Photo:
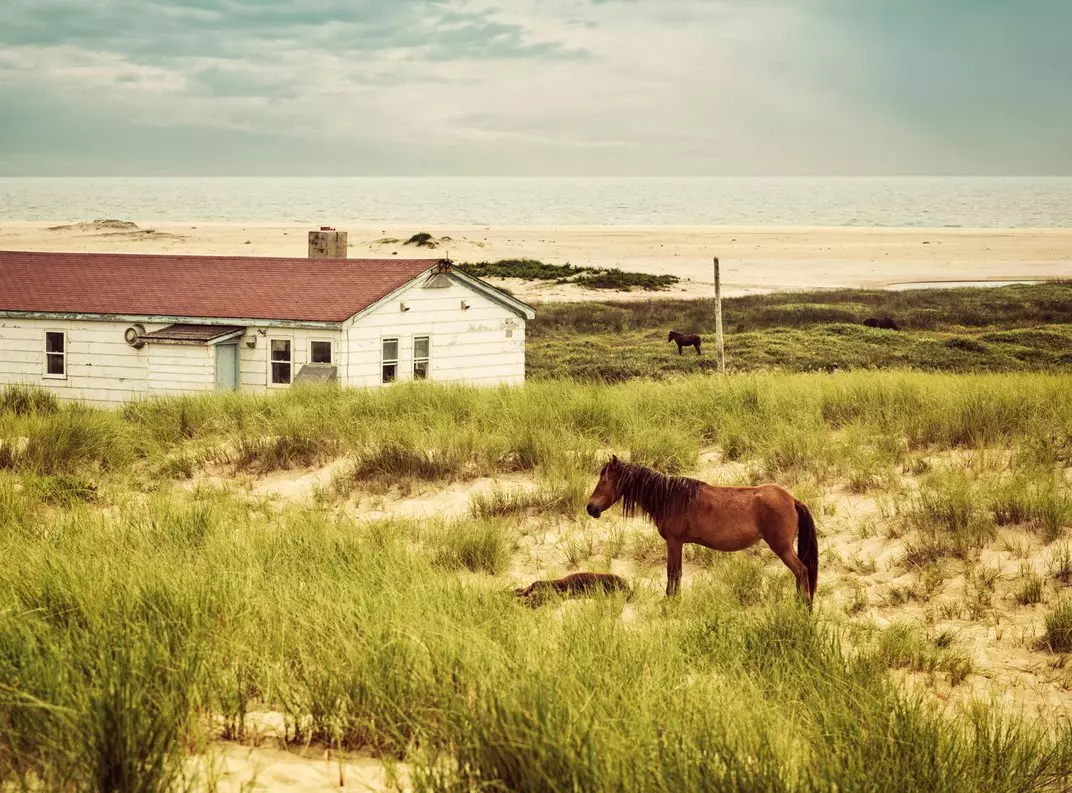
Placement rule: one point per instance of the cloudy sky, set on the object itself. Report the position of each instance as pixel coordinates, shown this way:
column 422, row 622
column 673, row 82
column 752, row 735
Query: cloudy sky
column 534, row 87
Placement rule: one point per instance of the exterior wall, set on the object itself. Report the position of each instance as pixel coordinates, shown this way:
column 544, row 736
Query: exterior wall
column 103, row 369
column 253, row 365
column 101, row 366
column 179, row 369
column 467, row 346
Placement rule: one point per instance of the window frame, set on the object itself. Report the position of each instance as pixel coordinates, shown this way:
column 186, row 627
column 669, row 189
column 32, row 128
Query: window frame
column 331, row 351
column 426, row 360
column 44, row 362
column 290, row 360
column 388, row 361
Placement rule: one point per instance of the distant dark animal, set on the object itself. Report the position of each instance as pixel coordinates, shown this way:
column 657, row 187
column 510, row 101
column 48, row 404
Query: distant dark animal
column 881, row 322
column 685, row 340
column 573, row 585
column 721, row 518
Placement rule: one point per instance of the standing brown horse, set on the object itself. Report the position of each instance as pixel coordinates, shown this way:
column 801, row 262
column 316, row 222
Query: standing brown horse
column 685, row 340
column 722, row 518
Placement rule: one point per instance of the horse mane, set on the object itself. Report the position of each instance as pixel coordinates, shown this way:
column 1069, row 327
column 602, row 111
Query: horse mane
column 656, row 494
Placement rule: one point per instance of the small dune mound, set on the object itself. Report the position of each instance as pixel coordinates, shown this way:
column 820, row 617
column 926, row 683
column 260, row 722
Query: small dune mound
column 122, row 225
column 98, row 225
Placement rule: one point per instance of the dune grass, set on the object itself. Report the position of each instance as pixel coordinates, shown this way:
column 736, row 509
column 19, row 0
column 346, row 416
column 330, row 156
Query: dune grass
column 611, row 278
column 1015, row 328
column 793, row 427
column 121, row 646
column 135, row 626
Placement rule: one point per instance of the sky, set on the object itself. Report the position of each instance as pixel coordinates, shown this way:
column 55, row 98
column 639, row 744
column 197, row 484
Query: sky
column 535, row 87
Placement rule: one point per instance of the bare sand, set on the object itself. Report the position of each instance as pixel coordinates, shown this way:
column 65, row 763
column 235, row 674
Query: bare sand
column 753, row 259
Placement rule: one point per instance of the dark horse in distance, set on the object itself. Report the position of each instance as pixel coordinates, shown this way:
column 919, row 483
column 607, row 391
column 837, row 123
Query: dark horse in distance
column 884, row 323
column 685, row 340
column 721, row 518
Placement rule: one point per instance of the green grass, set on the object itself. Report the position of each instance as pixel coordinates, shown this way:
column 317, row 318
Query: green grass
column 422, row 239
column 589, row 277
column 1040, row 501
column 566, row 499
column 474, row 545
column 902, row 646
column 1028, row 588
column 24, row 400
column 1015, row 328
column 117, row 643
column 1058, row 635
column 793, row 427
column 136, row 625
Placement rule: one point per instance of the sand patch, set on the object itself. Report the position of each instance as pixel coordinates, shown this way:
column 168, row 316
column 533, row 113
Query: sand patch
column 237, row 768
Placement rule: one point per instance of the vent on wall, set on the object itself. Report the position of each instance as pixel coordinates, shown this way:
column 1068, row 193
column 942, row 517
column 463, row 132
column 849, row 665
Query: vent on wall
column 133, row 336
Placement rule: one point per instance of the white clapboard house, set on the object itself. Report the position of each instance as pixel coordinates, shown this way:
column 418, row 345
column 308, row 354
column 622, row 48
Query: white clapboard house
column 107, row 328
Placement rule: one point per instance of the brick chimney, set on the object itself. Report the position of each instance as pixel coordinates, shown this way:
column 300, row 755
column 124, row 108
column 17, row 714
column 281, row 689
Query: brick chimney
column 327, row 243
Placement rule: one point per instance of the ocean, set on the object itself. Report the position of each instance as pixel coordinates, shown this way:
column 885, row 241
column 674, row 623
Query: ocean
column 1006, row 202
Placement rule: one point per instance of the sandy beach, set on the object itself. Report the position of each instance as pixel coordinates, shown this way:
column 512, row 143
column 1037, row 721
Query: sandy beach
column 753, row 259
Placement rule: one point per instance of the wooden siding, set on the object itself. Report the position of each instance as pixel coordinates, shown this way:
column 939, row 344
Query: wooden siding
column 253, row 365
column 466, row 345
column 179, row 369
column 101, row 366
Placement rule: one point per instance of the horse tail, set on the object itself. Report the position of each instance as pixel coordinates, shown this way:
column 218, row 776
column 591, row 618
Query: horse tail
column 808, row 545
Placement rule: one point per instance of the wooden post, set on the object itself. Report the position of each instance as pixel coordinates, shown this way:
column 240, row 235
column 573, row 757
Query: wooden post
column 720, row 349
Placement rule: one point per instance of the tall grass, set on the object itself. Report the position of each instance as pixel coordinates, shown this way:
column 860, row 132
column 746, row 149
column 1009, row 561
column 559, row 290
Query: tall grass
column 121, row 632
column 797, row 427
column 950, row 518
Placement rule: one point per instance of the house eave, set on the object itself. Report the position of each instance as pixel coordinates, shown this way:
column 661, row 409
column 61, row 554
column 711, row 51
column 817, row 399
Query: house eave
column 523, row 310
column 159, row 318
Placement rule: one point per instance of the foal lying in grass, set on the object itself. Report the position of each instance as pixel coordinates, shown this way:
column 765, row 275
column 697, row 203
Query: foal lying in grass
column 574, row 585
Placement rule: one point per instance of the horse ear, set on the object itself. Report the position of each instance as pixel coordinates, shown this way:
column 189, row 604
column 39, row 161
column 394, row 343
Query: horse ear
column 614, row 459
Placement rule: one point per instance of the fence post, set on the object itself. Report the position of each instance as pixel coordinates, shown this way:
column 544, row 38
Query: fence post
column 720, row 349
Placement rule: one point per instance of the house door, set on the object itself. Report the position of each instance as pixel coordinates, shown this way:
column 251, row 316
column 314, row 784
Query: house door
column 226, row 367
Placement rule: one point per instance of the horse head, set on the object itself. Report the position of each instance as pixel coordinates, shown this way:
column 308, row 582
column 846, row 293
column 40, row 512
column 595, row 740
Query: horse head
column 670, row 335
column 606, row 493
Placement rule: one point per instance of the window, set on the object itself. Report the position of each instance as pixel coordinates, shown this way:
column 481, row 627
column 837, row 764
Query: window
column 420, row 357
column 390, row 360
column 320, row 352
column 281, row 361
column 55, row 354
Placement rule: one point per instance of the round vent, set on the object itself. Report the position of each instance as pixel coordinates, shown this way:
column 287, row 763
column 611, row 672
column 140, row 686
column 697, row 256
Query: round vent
column 133, row 336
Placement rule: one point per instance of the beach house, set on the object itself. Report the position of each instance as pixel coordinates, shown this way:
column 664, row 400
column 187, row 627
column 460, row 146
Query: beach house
column 107, row 328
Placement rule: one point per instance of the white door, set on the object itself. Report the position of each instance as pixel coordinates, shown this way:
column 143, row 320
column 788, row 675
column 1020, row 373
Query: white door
column 226, row 367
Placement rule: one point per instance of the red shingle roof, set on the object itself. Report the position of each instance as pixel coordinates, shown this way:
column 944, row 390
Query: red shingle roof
column 241, row 287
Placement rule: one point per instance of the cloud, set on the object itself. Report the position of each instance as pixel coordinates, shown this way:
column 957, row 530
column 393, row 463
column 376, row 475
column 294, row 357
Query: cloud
column 537, row 86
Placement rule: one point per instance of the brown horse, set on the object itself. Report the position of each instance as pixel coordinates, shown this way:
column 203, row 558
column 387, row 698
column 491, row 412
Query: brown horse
column 684, row 340
column 722, row 518
column 575, row 584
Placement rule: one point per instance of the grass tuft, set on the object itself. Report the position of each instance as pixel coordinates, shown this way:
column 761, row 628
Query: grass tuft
column 1058, row 636
column 475, row 545
column 22, row 400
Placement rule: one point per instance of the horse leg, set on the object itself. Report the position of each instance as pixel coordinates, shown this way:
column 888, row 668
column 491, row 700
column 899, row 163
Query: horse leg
column 792, row 561
column 679, row 348
column 697, row 348
column 673, row 566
